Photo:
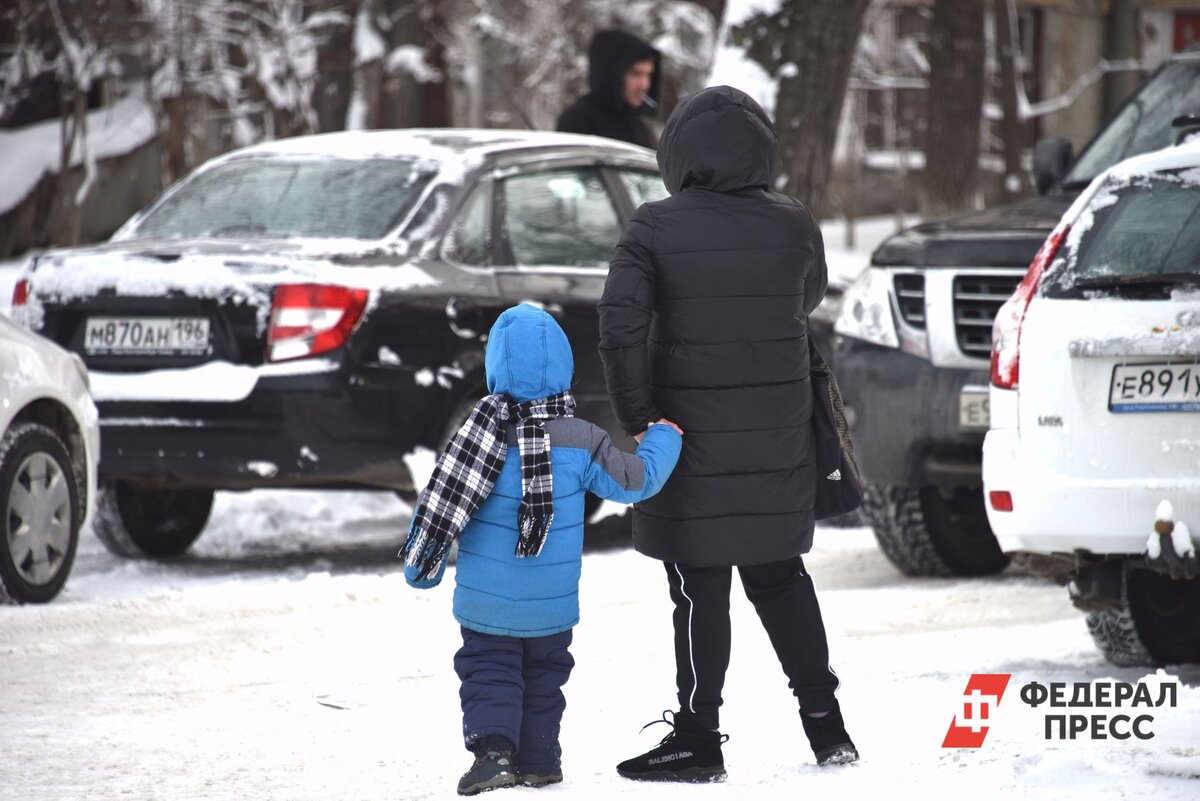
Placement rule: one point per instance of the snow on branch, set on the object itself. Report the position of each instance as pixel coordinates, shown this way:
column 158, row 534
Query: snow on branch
column 1029, row 111
column 410, row 60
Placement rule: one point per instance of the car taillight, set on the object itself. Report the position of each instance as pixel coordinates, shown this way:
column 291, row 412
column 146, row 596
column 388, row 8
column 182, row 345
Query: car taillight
column 307, row 319
column 1001, row 500
column 20, row 294
column 1006, row 330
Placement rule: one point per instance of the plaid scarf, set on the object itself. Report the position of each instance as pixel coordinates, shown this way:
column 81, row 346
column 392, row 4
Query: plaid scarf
column 470, row 465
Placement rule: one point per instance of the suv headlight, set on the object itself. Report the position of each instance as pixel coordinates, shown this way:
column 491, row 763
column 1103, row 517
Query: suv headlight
column 866, row 311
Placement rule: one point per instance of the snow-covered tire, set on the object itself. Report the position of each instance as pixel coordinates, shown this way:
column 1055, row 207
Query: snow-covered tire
column 930, row 531
column 157, row 524
column 1116, row 634
column 41, row 512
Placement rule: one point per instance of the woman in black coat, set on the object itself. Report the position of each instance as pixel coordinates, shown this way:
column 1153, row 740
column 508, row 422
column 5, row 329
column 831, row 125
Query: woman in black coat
column 704, row 320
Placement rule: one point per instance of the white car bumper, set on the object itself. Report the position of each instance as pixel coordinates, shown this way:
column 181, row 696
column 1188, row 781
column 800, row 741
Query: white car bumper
column 1055, row 513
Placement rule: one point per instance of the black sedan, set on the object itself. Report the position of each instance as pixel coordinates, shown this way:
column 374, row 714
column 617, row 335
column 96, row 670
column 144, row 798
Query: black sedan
column 312, row 312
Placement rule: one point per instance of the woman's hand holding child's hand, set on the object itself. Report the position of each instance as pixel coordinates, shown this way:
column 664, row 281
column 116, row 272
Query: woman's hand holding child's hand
column 663, row 422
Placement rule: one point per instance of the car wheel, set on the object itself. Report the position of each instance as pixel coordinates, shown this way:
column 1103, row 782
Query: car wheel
column 930, row 531
column 1115, row 633
column 155, row 523
column 39, row 499
column 1166, row 613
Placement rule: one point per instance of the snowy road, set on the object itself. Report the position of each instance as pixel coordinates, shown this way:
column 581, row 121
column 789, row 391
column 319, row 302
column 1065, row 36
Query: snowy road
column 203, row 679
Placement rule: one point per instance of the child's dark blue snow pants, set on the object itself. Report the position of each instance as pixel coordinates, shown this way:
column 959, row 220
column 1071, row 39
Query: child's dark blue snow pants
column 512, row 686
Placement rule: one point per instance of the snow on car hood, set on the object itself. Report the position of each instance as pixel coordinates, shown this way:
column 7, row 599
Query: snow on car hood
column 235, row 271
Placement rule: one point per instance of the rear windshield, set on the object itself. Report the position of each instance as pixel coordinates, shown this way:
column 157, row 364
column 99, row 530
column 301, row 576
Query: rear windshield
column 277, row 197
column 1135, row 227
column 1145, row 123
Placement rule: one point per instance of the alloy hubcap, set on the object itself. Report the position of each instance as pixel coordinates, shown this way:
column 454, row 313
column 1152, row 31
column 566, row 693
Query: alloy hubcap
column 39, row 519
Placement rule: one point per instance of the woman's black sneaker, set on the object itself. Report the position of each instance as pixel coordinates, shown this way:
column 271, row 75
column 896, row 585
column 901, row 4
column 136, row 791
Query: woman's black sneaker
column 689, row 753
column 827, row 735
column 493, row 767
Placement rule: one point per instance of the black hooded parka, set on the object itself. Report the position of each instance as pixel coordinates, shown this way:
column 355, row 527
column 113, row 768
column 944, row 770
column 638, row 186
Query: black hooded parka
column 704, row 321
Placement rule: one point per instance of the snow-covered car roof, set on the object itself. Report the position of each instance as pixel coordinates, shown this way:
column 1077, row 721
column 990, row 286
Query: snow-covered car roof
column 439, row 144
column 1169, row 158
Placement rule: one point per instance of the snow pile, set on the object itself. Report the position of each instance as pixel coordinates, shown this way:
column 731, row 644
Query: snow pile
column 211, row 381
column 28, row 153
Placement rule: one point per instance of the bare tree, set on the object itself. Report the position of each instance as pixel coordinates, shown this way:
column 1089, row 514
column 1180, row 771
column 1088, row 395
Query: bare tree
column 81, row 44
column 954, row 109
column 809, row 45
column 1010, row 128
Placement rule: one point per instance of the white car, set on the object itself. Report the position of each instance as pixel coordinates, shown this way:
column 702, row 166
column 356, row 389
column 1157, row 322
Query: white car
column 1092, row 462
column 49, row 447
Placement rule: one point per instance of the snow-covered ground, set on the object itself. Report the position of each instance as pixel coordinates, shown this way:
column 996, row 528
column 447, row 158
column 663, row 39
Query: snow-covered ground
column 286, row 659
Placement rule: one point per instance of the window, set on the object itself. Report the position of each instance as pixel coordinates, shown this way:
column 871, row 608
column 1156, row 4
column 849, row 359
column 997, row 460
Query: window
column 278, row 197
column 470, row 238
column 1140, row 227
column 560, row 217
column 644, row 186
column 1144, row 124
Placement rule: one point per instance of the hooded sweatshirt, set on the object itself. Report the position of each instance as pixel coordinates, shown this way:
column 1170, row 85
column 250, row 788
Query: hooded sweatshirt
column 497, row 592
column 603, row 110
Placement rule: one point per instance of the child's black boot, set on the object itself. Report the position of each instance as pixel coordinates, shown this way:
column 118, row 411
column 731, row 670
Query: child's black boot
column 493, row 767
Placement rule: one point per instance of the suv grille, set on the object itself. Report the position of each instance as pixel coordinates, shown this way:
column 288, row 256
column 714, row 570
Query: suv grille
column 977, row 299
column 910, row 297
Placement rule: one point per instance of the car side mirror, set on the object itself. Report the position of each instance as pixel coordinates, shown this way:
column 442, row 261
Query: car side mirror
column 1188, row 126
column 1052, row 159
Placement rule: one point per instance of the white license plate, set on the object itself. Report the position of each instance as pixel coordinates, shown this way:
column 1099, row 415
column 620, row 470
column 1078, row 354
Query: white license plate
column 974, row 412
column 1155, row 387
column 146, row 336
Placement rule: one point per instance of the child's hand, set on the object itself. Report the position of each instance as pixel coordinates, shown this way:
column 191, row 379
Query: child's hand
column 663, row 422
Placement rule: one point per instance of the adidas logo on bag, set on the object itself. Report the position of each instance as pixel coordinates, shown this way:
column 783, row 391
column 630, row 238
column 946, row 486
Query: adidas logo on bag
column 836, row 475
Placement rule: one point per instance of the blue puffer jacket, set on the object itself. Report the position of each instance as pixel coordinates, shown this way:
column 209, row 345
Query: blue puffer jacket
column 497, row 592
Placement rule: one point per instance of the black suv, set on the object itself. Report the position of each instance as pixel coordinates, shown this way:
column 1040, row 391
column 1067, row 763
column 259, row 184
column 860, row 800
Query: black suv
column 914, row 336
column 312, row 312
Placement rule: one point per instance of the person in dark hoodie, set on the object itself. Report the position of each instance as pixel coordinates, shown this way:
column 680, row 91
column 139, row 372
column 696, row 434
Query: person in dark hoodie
column 623, row 87
column 704, row 319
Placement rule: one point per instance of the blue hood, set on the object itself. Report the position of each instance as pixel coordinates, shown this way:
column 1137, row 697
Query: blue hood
column 528, row 355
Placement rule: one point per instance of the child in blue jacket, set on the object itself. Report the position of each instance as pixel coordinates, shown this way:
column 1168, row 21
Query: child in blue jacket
column 510, row 486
